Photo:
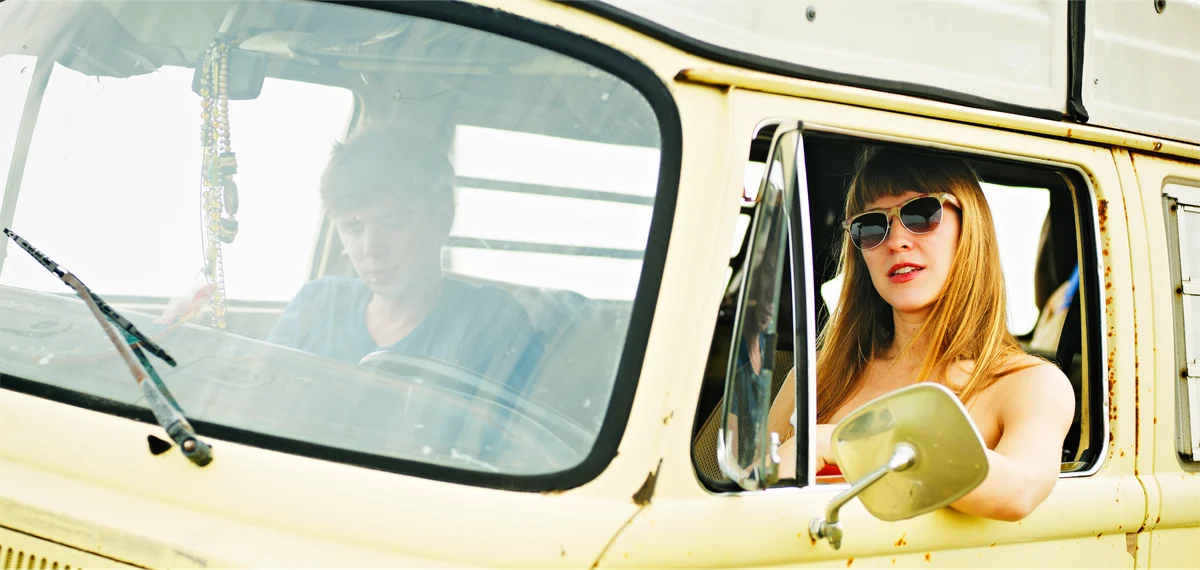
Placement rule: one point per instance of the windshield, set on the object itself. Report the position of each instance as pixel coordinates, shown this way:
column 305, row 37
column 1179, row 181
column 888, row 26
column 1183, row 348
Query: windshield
column 365, row 235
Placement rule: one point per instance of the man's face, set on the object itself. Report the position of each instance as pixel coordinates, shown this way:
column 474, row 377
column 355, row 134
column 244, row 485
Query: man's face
column 393, row 245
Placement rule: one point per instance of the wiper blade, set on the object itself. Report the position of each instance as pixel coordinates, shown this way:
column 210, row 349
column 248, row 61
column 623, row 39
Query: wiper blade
column 106, row 310
column 164, row 407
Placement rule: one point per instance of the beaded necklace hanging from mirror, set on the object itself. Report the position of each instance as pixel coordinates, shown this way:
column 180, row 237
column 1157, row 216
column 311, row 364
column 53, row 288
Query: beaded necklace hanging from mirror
column 220, row 193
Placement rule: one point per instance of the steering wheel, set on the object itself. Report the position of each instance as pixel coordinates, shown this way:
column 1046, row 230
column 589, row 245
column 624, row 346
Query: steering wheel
column 546, row 432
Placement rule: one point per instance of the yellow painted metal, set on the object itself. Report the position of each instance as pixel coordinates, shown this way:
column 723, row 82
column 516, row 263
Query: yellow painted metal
column 1085, row 519
column 20, row 550
column 1172, row 484
column 732, row 77
column 87, row 480
column 253, row 507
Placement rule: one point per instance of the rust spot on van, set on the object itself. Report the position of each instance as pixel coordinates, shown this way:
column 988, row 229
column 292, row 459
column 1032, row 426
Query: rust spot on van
column 1105, row 252
column 849, row 563
column 646, row 491
column 1070, row 132
column 893, row 561
column 668, row 417
column 902, row 542
column 1102, row 214
column 927, row 554
column 1155, row 420
column 1137, row 431
column 1099, row 536
column 1157, row 146
column 1157, row 519
column 1110, row 437
column 1122, row 453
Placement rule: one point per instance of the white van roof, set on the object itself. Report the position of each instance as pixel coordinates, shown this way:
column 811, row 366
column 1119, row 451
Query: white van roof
column 1140, row 66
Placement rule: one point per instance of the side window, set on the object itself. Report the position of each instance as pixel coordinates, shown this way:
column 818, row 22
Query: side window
column 735, row 374
column 1182, row 211
column 551, row 212
column 86, row 146
column 1046, row 249
column 744, row 454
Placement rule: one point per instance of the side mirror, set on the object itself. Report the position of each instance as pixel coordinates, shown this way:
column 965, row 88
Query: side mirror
column 905, row 454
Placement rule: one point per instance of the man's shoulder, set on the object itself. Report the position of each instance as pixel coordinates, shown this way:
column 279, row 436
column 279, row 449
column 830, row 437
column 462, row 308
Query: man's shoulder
column 487, row 299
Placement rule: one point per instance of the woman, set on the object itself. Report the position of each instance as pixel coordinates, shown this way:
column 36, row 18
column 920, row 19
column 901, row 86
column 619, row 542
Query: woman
column 923, row 300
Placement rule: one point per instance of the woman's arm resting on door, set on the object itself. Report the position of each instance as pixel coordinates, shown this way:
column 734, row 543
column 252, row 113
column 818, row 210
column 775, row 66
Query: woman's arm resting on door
column 1035, row 407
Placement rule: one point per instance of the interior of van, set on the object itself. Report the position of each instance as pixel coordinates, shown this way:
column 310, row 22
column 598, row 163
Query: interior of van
column 1040, row 281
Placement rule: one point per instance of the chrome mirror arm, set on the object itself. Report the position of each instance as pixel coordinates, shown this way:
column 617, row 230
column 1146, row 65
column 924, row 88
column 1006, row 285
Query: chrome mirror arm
column 830, row 527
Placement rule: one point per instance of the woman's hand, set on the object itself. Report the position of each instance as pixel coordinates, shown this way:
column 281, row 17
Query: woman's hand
column 787, row 452
column 825, row 445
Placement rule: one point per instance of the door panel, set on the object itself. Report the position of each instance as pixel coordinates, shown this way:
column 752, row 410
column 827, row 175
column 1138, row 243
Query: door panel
column 1173, row 520
column 756, row 529
column 1088, row 520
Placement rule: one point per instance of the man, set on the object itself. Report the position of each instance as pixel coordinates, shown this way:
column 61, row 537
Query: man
column 391, row 200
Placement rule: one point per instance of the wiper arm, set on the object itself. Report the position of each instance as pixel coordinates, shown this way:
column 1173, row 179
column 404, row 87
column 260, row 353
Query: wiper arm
column 106, row 310
column 164, row 407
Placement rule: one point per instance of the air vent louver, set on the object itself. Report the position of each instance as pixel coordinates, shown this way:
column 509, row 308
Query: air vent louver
column 15, row 559
column 22, row 551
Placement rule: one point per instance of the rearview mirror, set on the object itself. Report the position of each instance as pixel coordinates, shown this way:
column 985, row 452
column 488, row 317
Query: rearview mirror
column 905, row 454
column 246, row 73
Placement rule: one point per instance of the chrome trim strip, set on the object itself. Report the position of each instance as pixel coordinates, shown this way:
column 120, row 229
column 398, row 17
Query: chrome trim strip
column 802, row 226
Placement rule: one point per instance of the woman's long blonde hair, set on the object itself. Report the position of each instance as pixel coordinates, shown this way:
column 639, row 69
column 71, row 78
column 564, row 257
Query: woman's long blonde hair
column 967, row 321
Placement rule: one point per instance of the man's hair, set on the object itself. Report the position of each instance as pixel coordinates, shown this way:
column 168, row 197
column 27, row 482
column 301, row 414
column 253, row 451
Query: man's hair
column 383, row 163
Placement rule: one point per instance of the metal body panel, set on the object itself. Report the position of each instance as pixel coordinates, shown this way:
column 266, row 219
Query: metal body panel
column 20, row 550
column 87, row 480
column 1141, row 68
column 1172, row 482
column 1013, row 52
column 1071, row 527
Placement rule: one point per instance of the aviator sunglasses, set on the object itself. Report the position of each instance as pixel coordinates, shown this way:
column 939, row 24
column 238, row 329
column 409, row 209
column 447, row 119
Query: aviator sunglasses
column 920, row 215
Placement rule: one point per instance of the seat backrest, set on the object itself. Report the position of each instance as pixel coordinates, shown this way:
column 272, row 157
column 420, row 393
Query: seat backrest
column 581, row 343
column 579, row 366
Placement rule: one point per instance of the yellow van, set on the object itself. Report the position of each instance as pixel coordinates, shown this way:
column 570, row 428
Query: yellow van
column 618, row 171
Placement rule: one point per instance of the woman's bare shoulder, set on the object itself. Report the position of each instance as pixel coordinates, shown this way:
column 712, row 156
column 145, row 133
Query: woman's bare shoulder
column 1035, row 383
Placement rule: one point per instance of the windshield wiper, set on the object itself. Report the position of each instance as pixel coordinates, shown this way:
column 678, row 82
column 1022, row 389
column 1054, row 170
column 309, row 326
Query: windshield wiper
column 164, row 407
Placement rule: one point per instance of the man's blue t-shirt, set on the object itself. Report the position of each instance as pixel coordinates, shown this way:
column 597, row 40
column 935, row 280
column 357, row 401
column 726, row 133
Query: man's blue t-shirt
column 483, row 329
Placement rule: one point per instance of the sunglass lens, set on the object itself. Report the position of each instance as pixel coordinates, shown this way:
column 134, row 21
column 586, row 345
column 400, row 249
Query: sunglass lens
column 868, row 230
column 922, row 215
